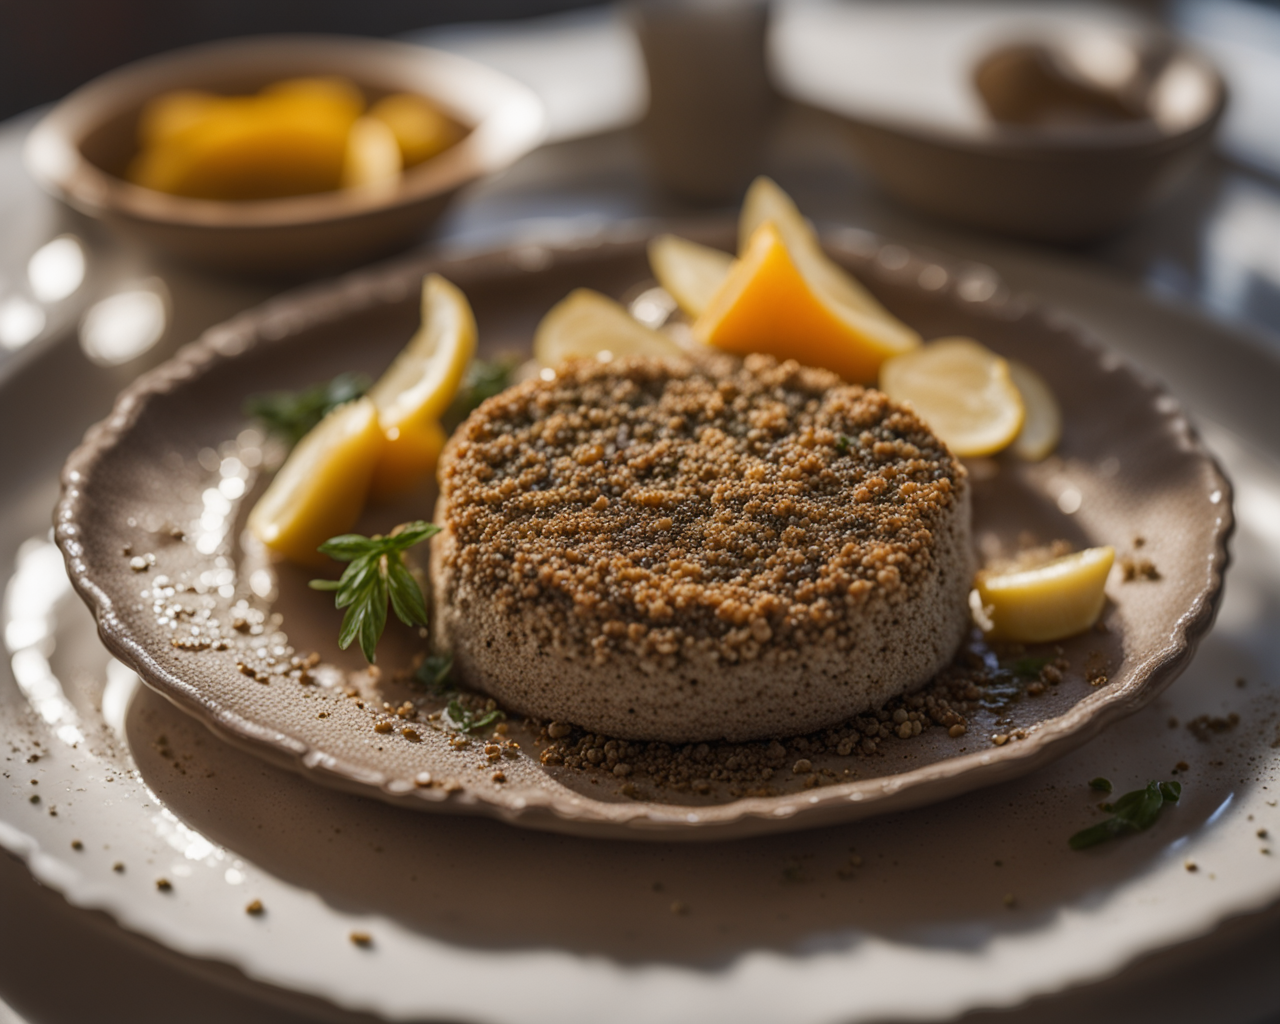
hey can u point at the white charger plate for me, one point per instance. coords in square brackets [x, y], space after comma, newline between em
[472, 919]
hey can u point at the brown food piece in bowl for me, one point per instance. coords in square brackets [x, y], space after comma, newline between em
[665, 551]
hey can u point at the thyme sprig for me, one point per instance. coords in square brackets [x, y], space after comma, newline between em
[375, 574]
[1133, 812]
[291, 414]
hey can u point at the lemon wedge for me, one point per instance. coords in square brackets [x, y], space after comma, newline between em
[320, 490]
[372, 157]
[690, 272]
[963, 391]
[1042, 427]
[420, 130]
[765, 201]
[1049, 602]
[586, 324]
[419, 385]
[767, 305]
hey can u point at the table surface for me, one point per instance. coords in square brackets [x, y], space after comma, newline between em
[1213, 250]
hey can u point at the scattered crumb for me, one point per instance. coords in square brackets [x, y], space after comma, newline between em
[163, 884]
[118, 867]
[1191, 866]
[1205, 726]
[362, 939]
[679, 907]
[1135, 568]
[77, 845]
[255, 908]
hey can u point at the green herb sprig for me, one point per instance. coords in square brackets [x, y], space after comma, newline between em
[1133, 812]
[375, 574]
[1026, 668]
[465, 720]
[484, 379]
[433, 674]
[291, 414]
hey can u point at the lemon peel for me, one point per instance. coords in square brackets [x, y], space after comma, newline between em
[586, 324]
[767, 305]
[690, 272]
[1049, 602]
[320, 490]
[1042, 427]
[962, 389]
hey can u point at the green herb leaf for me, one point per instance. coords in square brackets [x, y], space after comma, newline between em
[433, 673]
[1027, 668]
[484, 379]
[1099, 833]
[464, 720]
[290, 414]
[375, 574]
[1101, 785]
[842, 443]
[1133, 812]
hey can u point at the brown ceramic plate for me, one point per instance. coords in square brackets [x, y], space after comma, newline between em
[151, 516]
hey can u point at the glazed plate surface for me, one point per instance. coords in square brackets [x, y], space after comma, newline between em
[154, 502]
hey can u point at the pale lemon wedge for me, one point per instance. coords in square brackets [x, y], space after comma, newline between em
[1042, 427]
[586, 324]
[419, 385]
[373, 155]
[963, 391]
[765, 201]
[690, 272]
[320, 490]
[420, 129]
[767, 305]
[1049, 602]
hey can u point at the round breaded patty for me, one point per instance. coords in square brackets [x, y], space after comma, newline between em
[659, 550]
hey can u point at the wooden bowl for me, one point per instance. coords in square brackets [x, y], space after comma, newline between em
[79, 150]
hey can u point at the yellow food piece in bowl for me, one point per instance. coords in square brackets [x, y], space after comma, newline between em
[373, 155]
[420, 130]
[290, 139]
[767, 305]
[1049, 602]
[320, 490]
[963, 391]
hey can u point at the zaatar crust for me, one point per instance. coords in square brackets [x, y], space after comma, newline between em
[665, 551]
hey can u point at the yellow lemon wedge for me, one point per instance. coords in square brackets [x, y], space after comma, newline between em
[690, 272]
[373, 155]
[420, 130]
[767, 305]
[320, 490]
[1049, 602]
[764, 202]
[1042, 427]
[963, 391]
[419, 385]
[586, 324]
